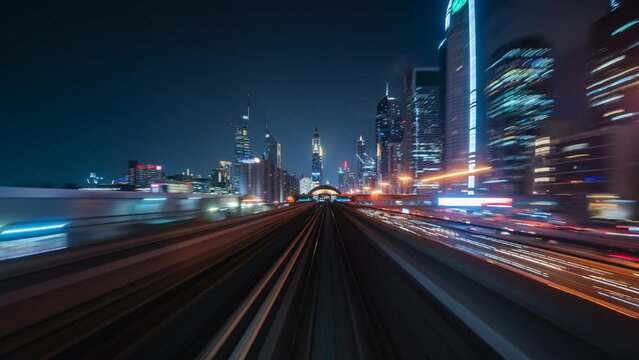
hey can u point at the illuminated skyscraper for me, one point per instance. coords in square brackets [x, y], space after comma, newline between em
[241, 147]
[613, 88]
[317, 170]
[365, 167]
[361, 150]
[273, 183]
[518, 101]
[273, 149]
[147, 174]
[345, 178]
[422, 146]
[387, 124]
[461, 97]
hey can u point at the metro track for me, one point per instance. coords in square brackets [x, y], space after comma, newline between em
[109, 295]
[314, 281]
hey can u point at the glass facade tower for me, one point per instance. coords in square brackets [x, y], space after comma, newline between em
[613, 84]
[387, 129]
[519, 104]
[461, 97]
[422, 145]
[317, 162]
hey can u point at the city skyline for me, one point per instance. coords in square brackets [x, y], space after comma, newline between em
[421, 179]
[196, 127]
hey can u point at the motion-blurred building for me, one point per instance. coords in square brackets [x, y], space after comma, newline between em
[460, 146]
[518, 105]
[586, 167]
[423, 143]
[317, 161]
[613, 88]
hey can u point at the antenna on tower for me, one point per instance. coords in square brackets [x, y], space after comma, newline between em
[387, 89]
[248, 108]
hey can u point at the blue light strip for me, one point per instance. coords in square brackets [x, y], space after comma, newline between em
[472, 111]
[33, 229]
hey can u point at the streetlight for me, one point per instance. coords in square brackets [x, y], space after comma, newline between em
[366, 188]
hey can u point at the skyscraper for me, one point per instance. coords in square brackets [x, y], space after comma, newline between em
[422, 146]
[518, 101]
[147, 174]
[317, 165]
[273, 149]
[366, 168]
[274, 185]
[221, 177]
[361, 150]
[242, 147]
[387, 124]
[461, 97]
[613, 88]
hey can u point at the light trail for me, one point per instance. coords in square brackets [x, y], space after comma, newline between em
[457, 173]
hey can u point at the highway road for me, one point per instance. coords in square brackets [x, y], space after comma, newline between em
[322, 281]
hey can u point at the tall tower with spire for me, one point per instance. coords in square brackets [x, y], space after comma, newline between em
[387, 120]
[241, 145]
[317, 165]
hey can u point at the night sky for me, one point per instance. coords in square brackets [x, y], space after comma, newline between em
[87, 86]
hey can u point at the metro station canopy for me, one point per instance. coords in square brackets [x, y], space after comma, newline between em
[324, 190]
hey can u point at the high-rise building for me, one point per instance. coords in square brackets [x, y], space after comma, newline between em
[388, 128]
[422, 146]
[242, 147]
[131, 173]
[291, 185]
[346, 179]
[460, 146]
[598, 169]
[221, 177]
[274, 185]
[317, 165]
[366, 168]
[147, 174]
[252, 177]
[273, 149]
[613, 88]
[359, 153]
[518, 106]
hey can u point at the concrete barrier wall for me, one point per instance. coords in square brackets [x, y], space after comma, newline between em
[82, 208]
